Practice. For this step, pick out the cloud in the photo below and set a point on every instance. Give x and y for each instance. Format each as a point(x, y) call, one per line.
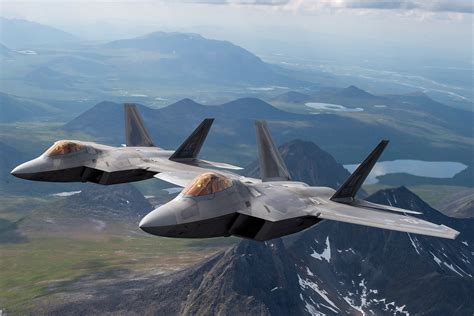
point(459, 6)
point(241, 2)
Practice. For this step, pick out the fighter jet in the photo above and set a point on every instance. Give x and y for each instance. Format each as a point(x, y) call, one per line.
point(221, 204)
point(140, 159)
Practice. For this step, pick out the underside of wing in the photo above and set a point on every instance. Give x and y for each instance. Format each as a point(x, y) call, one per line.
point(386, 220)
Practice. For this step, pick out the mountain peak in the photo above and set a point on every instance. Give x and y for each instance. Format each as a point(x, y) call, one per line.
point(185, 103)
point(353, 91)
point(252, 105)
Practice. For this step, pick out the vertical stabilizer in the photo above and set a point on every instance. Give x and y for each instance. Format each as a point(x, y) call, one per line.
point(192, 145)
point(349, 189)
point(272, 166)
point(136, 134)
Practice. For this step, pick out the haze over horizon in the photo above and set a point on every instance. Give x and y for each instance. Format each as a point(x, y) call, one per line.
point(346, 31)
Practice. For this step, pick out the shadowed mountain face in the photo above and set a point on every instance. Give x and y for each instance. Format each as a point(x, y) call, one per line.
point(332, 268)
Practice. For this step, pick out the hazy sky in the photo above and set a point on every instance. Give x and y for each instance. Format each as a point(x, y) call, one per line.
point(437, 27)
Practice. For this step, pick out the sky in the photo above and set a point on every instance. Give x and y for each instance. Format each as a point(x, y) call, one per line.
point(323, 28)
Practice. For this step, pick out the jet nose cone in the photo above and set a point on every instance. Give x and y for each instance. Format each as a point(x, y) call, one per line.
point(22, 171)
point(159, 221)
point(16, 171)
point(30, 169)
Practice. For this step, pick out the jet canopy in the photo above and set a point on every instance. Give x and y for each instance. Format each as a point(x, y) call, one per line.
point(64, 147)
point(207, 183)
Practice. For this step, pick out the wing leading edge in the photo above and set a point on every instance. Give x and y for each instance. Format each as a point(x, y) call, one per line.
point(387, 220)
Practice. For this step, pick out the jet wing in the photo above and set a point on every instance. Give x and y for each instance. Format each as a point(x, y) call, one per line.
point(179, 178)
point(386, 220)
point(181, 174)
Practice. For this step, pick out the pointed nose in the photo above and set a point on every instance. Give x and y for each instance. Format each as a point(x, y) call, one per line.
point(29, 169)
point(16, 171)
point(162, 217)
point(165, 220)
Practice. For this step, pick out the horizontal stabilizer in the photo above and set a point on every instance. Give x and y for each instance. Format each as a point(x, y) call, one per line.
point(189, 150)
point(349, 189)
point(272, 166)
point(136, 134)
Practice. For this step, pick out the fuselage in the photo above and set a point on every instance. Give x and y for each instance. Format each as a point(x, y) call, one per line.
point(259, 211)
point(81, 161)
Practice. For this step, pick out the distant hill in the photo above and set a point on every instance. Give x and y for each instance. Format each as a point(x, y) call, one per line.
point(22, 34)
point(46, 78)
point(464, 178)
point(183, 58)
point(13, 108)
point(355, 92)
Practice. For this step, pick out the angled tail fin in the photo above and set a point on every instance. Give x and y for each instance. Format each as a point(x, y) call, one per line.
point(136, 134)
point(272, 166)
point(349, 189)
point(192, 145)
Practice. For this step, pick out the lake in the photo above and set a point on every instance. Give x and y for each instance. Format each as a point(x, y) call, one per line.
point(328, 107)
point(432, 169)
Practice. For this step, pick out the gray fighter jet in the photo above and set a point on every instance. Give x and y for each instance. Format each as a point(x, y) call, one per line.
point(222, 204)
point(79, 161)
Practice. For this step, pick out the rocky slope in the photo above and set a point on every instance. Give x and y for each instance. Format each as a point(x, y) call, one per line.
point(109, 202)
point(460, 205)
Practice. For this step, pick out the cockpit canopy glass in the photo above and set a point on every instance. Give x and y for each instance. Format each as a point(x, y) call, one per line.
point(64, 147)
point(207, 183)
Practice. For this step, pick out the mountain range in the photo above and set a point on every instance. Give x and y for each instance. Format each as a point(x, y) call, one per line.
point(183, 58)
point(331, 268)
point(134, 66)
point(233, 129)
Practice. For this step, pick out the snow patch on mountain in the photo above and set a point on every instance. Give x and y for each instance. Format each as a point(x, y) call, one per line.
point(326, 254)
point(305, 283)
